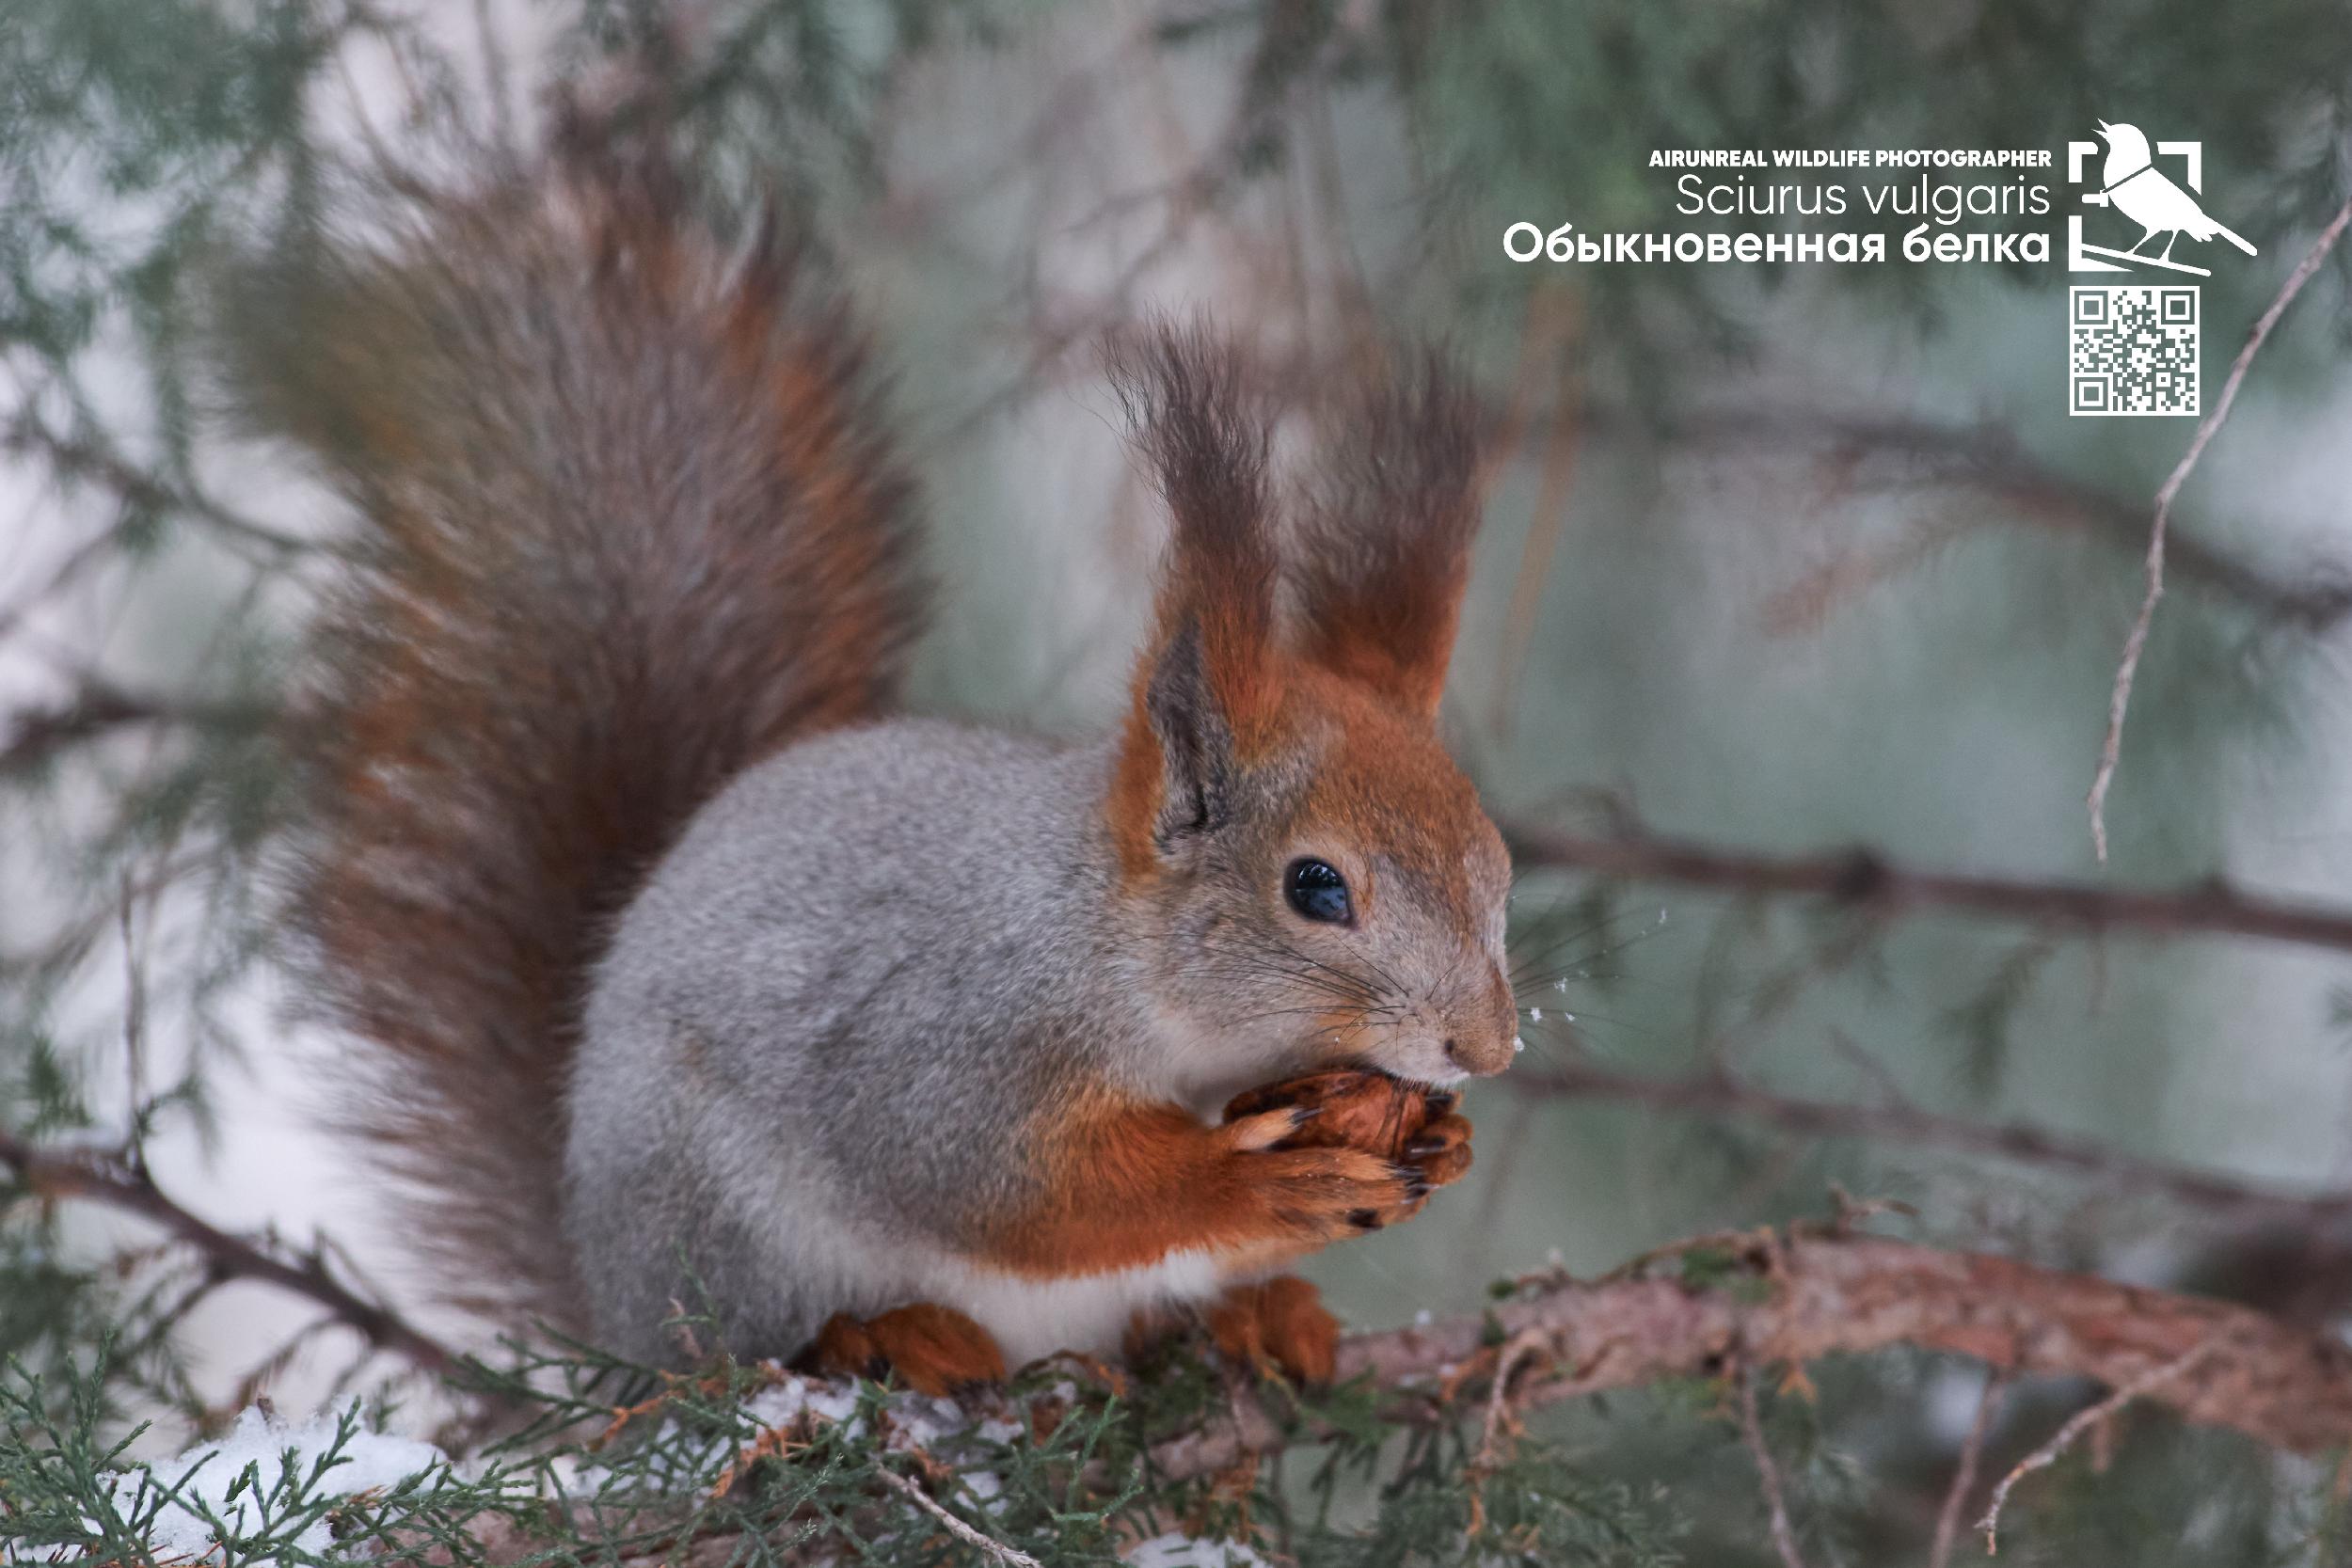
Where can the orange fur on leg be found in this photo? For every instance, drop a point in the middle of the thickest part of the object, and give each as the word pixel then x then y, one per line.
pixel 1123 1183
pixel 1280 1322
pixel 933 1350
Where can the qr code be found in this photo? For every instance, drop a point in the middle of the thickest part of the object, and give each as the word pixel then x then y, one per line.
pixel 2131 350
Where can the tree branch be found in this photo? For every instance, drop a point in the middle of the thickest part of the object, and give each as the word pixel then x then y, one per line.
pixel 1862 879
pixel 2127 667
pixel 88 459
pixel 1724 1306
pixel 1987 459
pixel 1839 1293
pixel 100 1177
pixel 1720 1095
pixel 35 734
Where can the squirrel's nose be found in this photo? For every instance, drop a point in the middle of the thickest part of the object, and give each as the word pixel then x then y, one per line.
pixel 1482 1043
pixel 1483 1057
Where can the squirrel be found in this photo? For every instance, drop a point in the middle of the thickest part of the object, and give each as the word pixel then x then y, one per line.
pixel 688 975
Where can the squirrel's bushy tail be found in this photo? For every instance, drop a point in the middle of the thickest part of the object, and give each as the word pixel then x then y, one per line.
pixel 629 525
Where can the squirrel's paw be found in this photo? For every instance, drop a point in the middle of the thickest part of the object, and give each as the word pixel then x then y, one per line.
pixel 1279 1323
pixel 933 1350
pixel 1352 1108
pixel 1317 1194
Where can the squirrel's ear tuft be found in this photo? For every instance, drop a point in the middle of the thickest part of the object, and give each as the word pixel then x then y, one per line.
pixel 1207 689
pixel 1384 541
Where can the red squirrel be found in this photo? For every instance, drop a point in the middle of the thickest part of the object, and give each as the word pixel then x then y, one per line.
pixel 688 974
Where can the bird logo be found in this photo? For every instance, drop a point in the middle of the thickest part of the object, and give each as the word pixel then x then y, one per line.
pixel 2132 184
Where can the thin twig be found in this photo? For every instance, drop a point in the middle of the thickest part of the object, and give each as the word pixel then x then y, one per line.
pixel 1884 888
pixel 35 735
pixel 83 559
pixel 1498 1427
pixel 1522 1345
pixel 1768 1473
pixel 133 1022
pixel 1723 1095
pixel 955 1526
pixel 72 945
pixel 1964 1475
pixel 100 1177
pixel 2127 668
pixel 1805 606
pixel 91 460
pixel 2080 1422
pixel 1906 455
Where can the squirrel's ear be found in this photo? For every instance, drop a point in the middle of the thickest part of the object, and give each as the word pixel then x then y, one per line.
pixel 1385 540
pixel 1193 738
pixel 1207 690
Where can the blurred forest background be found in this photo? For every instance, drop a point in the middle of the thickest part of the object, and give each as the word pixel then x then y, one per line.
pixel 1777 561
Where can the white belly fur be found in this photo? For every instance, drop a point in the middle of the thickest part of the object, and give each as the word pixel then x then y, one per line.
pixel 1033 1318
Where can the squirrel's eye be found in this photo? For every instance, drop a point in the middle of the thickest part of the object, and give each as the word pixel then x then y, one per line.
pixel 1317 891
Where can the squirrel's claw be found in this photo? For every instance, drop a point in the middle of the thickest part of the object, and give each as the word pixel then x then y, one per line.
pixel 1440 1153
